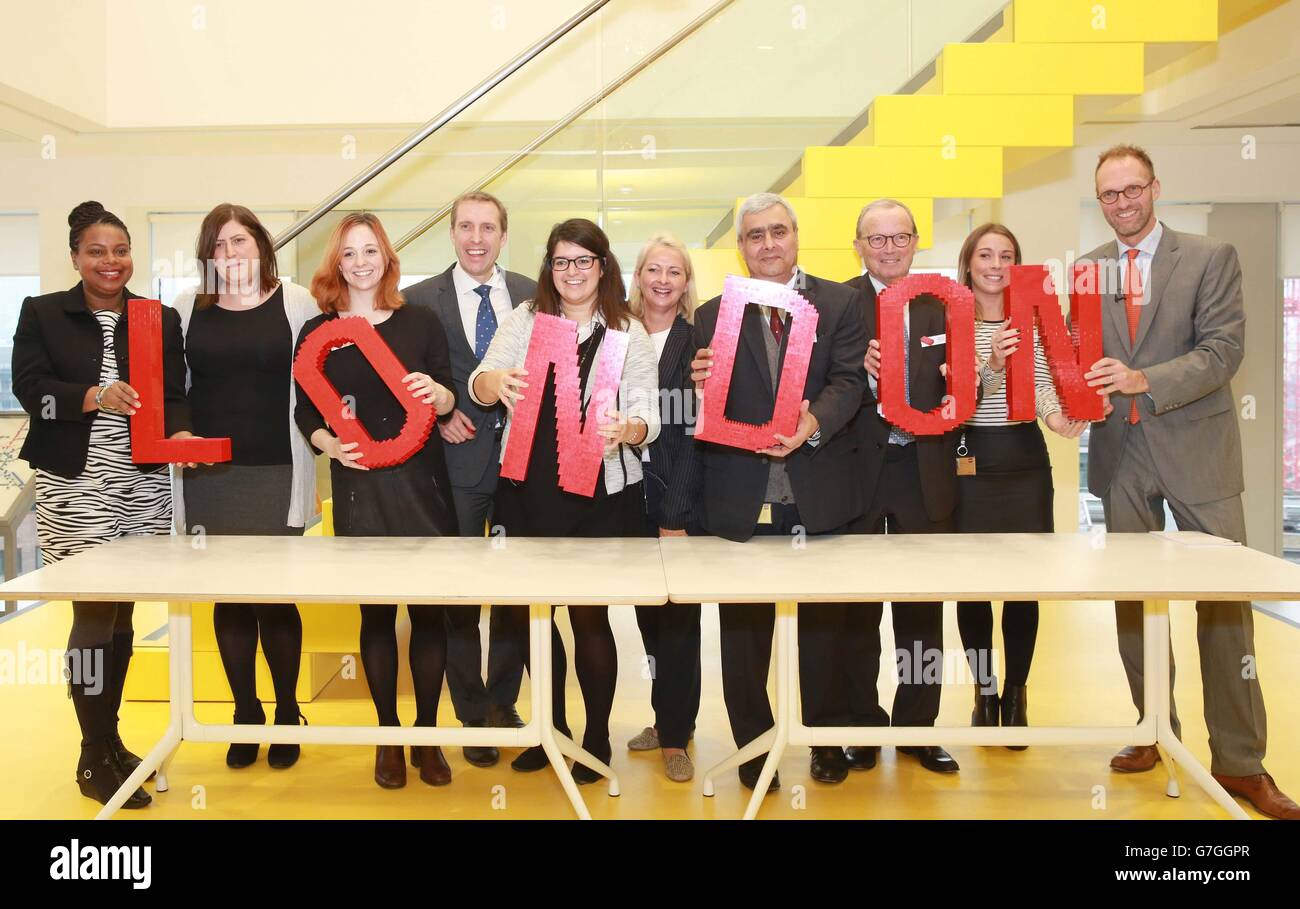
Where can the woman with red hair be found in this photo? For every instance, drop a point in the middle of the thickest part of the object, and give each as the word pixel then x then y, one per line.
pixel 358 280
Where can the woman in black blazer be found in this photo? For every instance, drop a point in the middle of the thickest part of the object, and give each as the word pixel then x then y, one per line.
pixel 69 354
pixel 663 295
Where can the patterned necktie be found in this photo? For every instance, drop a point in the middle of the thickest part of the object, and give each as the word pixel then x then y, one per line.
pixel 902 436
pixel 485 325
pixel 1133 312
pixel 778 327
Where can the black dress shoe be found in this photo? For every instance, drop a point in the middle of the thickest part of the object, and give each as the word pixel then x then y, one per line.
pixel 1015 704
pixel 986 708
pixel 932 757
pixel 861 757
pixel 530 760
pixel 750 770
pixel 504 717
pixel 481 755
pixel 827 764
pixel 582 774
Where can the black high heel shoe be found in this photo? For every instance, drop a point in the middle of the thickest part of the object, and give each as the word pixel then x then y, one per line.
pixel 100 774
pixel 244 754
pixel 282 756
pixel 986 707
pixel 1015 709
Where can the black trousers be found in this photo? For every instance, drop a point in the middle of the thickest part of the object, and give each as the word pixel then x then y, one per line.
pixel 854 647
pixel 671 635
pixel 507 633
pixel 746 639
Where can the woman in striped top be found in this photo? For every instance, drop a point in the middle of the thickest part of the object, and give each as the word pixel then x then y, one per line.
pixel 1010 489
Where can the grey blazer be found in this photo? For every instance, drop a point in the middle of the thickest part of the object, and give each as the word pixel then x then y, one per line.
pixel 1190 342
pixel 473 463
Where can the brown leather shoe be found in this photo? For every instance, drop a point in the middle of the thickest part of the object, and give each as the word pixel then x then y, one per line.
pixel 1135 759
pixel 433 767
pixel 1262 792
pixel 390 766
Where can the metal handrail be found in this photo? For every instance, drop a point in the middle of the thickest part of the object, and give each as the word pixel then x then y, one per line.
pixel 436 123
pixel 561 124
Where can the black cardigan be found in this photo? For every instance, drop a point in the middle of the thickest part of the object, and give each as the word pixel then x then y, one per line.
pixel 58 352
pixel 671 472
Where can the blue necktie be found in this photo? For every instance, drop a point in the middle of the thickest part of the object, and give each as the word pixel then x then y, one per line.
pixel 485 325
pixel 902 436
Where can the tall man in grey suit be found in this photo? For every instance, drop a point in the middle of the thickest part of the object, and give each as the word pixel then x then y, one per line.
pixel 471 298
pixel 1173 337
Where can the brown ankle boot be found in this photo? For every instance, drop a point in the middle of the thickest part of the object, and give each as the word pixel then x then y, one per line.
pixel 433 767
pixel 390 766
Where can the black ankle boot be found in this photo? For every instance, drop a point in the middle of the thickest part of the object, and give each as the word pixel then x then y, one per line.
pixel 244 754
pixel 126 758
pixel 986 707
pixel 99 775
pixel 280 756
pixel 1015 709
pixel 582 774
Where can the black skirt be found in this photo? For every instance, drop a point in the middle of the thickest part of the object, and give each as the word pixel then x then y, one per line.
pixel 1011 491
pixel 412 499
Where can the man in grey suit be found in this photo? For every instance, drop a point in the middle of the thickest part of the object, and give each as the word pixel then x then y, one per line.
pixel 471 298
pixel 1173 336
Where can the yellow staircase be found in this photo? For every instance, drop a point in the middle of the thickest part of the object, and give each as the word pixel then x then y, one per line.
pixel 949 140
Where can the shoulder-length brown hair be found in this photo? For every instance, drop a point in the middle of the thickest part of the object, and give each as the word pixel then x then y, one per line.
pixel 206 247
pixel 610 301
pixel 972 243
pixel 328 286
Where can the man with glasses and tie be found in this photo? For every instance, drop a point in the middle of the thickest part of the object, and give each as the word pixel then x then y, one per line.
pixel 1174 336
pixel 471 298
pixel 909 485
pixel 805 483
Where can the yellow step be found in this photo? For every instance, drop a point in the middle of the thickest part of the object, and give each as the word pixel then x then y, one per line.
pixel 902 171
pixel 1042 69
pixel 965 120
pixel 1107 21
pixel 831 223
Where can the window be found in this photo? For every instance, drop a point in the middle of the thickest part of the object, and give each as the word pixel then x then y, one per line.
pixel 20 277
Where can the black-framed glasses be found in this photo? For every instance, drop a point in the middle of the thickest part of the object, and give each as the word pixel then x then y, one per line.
pixel 584 263
pixel 878 241
pixel 1132 191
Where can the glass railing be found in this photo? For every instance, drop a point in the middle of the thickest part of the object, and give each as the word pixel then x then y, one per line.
pixel 727 111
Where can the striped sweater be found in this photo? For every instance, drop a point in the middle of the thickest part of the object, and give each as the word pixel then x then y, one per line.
pixel 992 409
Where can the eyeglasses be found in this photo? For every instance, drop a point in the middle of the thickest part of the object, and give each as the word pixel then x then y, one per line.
pixel 877 241
pixel 584 263
pixel 1132 191
pixel 778 231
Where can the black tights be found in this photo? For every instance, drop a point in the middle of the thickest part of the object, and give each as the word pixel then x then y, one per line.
pixel 595 660
pixel 1019 632
pixel 428 655
pixel 238 626
pixel 99 654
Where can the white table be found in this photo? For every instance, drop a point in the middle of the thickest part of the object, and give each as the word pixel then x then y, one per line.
pixel 419 570
pixel 1155 568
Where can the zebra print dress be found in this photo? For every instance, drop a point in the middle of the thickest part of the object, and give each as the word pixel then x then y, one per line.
pixel 111 498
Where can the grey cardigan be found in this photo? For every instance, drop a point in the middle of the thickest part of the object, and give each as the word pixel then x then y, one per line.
pixel 299 306
pixel 638 387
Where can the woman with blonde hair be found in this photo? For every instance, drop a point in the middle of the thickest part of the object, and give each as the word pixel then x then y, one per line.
pixel 663 295
pixel 358 280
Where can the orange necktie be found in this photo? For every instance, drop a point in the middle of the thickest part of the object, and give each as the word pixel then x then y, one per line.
pixel 1133 312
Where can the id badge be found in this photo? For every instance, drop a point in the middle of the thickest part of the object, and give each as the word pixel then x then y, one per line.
pixel 965 460
pixel 765 513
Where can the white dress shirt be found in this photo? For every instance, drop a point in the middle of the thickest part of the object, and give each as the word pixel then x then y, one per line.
pixel 468 299
pixel 1146 252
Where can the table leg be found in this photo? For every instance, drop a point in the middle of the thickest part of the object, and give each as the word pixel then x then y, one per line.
pixel 787 626
pixel 1156 701
pixel 11 562
pixel 540 627
pixel 181 700
pixel 760 745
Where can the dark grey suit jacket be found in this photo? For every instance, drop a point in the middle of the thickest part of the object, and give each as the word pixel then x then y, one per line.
pixel 472 464
pixel 1190 341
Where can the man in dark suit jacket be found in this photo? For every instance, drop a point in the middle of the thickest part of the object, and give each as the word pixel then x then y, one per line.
pixel 1172 339
pixel 804 483
pixel 909 484
pixel 471 297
